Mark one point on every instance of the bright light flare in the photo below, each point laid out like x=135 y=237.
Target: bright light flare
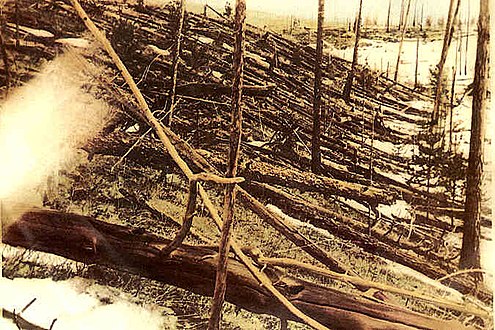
x=43 y=123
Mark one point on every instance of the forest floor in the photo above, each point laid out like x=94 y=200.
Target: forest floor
x=83 y=150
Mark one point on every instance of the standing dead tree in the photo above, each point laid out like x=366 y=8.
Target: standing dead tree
x=176 y=60
x=449 y=30
x=350 y=76
x=402 y=40
x=5 y=59
x=315 y=143
x=388 y=15
x=470 y=251
x=233 y=158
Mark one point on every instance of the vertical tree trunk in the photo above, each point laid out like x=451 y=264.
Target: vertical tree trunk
x=315 y=143
x=401 y=17
x=350 y=76
x=176 y=60
x=388 y=15
x=234 y=150
x=416 y=67
x=449 y=30
x=402 y=40
x=467 y=36
x=470 y=252
x=5 y=57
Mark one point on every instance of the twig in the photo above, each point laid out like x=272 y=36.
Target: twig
x=188 y=219
x=161 y=132
x=27 y=306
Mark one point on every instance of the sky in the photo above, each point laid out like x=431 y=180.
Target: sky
x=342 y=9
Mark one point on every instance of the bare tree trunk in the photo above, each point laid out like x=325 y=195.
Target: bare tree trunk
x=449 y=30
x=402 y=40
x=467 y=36
x=315 y=143
x=175 y=65
x=234 y=150
x=470 y=252
x=401 y=17
x=5 y=58
x=350 y=76
x=416 y=67
x=388 y=15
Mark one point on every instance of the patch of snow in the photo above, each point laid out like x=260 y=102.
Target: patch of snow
x=399 y=177
x=77 y=304
x=34 y=32
x=399 y=269
x=296 y=222
x=259 y=144
x=217 y=74
x=158 y=50
x=353 y=204
x=205 y=40
x=74 y=42
x=400 y=209
x=133 y=129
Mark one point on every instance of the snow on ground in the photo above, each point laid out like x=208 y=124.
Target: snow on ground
x=399 y=269
x=400 y=209
x=399 y=177
x=353 y=204
x=78 y=304
x=74 y=42
x=297 y=223
x=34 y=32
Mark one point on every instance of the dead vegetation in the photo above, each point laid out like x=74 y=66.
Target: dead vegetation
x=129 y=180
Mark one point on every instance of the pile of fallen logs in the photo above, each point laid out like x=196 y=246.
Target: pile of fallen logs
x=275 y=157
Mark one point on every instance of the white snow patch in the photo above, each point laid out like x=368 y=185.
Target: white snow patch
x=217 y=74
x=76 y=304
x=34 y=32
x=74 y=42
x=406 y=271
x=400 y=209
x=205 y=40
x=353 y=204
x=296 y=222
x=259 y=144
x=399 y=177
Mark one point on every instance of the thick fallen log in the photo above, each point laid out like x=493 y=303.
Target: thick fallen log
x=88 y=240
x=265 y=172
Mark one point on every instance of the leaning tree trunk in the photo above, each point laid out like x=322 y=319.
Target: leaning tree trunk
x=315 y=143
x=470 y=252
x=350 y=77
x=449 y=30
x=234 y=150
x=402 y=40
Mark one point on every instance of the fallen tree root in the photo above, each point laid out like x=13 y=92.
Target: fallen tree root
x=91 y=241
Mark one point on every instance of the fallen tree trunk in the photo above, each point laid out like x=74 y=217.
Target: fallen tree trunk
x=348 y=228
x=265 y=172
x=91 y=241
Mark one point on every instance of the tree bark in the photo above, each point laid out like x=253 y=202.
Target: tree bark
x=233 y=158
x=315 y=143
x=350 y=76
x=91 y=241
x=470 y=252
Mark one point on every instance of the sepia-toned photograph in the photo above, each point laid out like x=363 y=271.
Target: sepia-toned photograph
x=246 y=164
